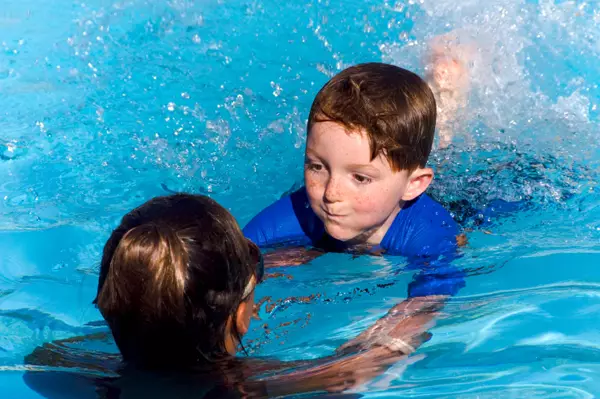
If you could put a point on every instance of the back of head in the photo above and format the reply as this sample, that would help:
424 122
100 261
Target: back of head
172 274
393 106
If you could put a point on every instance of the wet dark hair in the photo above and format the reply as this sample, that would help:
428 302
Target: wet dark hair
394 107
172 274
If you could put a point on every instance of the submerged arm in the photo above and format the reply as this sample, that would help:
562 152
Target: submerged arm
391 339
293 256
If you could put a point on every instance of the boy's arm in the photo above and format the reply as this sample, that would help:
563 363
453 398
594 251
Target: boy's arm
435 272
287 222
288 225
430 238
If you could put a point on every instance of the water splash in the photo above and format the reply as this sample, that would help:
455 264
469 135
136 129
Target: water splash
109 103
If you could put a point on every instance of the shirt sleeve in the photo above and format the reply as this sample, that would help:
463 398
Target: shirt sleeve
426 234
436 277
288 221
423 228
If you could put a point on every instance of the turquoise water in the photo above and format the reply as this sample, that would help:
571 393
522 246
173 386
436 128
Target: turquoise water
106 103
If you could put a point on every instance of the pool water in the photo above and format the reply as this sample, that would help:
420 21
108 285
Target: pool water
105 103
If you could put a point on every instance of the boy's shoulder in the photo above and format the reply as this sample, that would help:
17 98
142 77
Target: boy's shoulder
425 207
422 227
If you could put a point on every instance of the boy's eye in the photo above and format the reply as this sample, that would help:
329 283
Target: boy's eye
362 179
314 167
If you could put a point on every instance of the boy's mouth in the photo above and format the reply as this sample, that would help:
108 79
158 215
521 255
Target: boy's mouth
333 215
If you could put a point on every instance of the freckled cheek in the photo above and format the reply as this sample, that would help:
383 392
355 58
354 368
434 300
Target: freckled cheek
374 202
311 183
314 187
365 203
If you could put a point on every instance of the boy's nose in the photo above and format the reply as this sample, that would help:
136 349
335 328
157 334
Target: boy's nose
332 191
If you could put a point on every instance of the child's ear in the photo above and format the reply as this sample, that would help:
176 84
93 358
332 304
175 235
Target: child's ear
418 181
244 314
242 325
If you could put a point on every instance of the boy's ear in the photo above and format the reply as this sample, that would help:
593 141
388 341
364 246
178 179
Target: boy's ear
418 181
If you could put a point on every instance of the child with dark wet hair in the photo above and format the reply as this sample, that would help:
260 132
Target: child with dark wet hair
176 287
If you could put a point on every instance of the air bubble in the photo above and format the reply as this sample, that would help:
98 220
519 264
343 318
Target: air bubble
277 89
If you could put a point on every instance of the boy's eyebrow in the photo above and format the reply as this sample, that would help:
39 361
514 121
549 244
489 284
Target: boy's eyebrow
363 166
313 157
310 152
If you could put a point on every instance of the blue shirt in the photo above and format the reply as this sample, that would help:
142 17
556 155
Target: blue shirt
423 231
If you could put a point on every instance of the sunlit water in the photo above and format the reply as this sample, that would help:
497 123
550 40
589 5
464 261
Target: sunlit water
105 104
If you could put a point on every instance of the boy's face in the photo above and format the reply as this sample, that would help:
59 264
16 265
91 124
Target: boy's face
356 198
